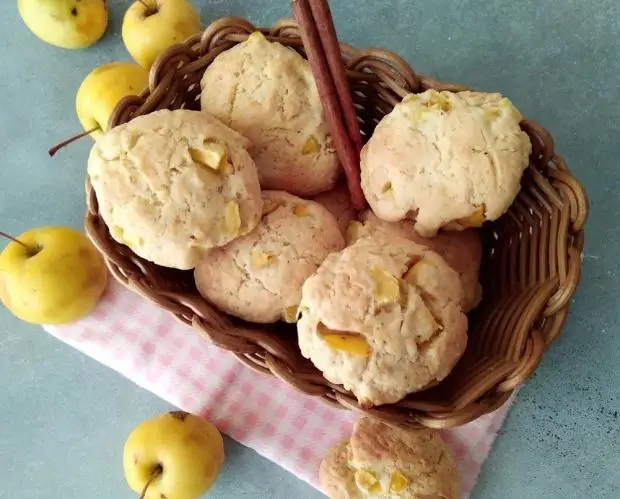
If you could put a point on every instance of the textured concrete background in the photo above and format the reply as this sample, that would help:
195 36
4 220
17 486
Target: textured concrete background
66 417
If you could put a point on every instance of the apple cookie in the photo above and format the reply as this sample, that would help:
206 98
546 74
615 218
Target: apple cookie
383 318
462 250
171 185
445 159
258 277
267 92
338 202
387 462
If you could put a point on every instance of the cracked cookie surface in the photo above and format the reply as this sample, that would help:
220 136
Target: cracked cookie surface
383 318
267 92
259 277
462 250
445 159
385 462
173 184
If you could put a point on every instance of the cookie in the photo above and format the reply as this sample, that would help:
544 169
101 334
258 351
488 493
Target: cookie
259 277
386 462
383 318
462 250
267 92
338 202
445 159
171 185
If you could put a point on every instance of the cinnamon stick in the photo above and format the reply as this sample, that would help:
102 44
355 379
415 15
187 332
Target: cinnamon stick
315 51
327 33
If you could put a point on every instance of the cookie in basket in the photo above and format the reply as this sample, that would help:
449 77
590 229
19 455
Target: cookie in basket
445 159
462 250
171 185
258 277
338 202
386 462
383 318
267 92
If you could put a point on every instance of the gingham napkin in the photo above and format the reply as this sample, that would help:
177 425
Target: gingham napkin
150 347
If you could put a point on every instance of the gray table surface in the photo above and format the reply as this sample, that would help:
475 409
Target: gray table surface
66 417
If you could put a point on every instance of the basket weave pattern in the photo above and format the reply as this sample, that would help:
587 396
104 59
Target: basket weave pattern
531 262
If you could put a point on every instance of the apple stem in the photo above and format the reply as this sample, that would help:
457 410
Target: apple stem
65 143
154 475
4 234
150 10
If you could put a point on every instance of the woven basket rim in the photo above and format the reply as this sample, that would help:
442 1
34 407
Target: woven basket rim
553 209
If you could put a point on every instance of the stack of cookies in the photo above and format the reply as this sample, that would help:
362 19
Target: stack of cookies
246 194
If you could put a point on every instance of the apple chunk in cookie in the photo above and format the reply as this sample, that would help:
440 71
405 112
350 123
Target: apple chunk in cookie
445 159
386 462
383 318
266 91
171 185
258 277
462 250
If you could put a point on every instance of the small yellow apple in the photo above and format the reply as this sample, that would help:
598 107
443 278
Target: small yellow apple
103 88
151 26
69 24
176 455
51 275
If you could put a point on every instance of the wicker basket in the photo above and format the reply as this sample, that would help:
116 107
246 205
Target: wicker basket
531 263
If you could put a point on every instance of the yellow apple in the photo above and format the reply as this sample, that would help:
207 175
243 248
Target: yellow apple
70 24
51 275
103 88
151 26
174 456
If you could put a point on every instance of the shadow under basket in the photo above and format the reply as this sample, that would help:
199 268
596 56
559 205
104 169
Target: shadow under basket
531 263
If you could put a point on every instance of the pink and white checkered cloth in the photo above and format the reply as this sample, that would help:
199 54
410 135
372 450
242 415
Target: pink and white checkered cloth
150 347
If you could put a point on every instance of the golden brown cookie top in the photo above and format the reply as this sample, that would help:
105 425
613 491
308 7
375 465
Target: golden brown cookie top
171 185
259 277
383 318
445 159
385 462
267 92
462 250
